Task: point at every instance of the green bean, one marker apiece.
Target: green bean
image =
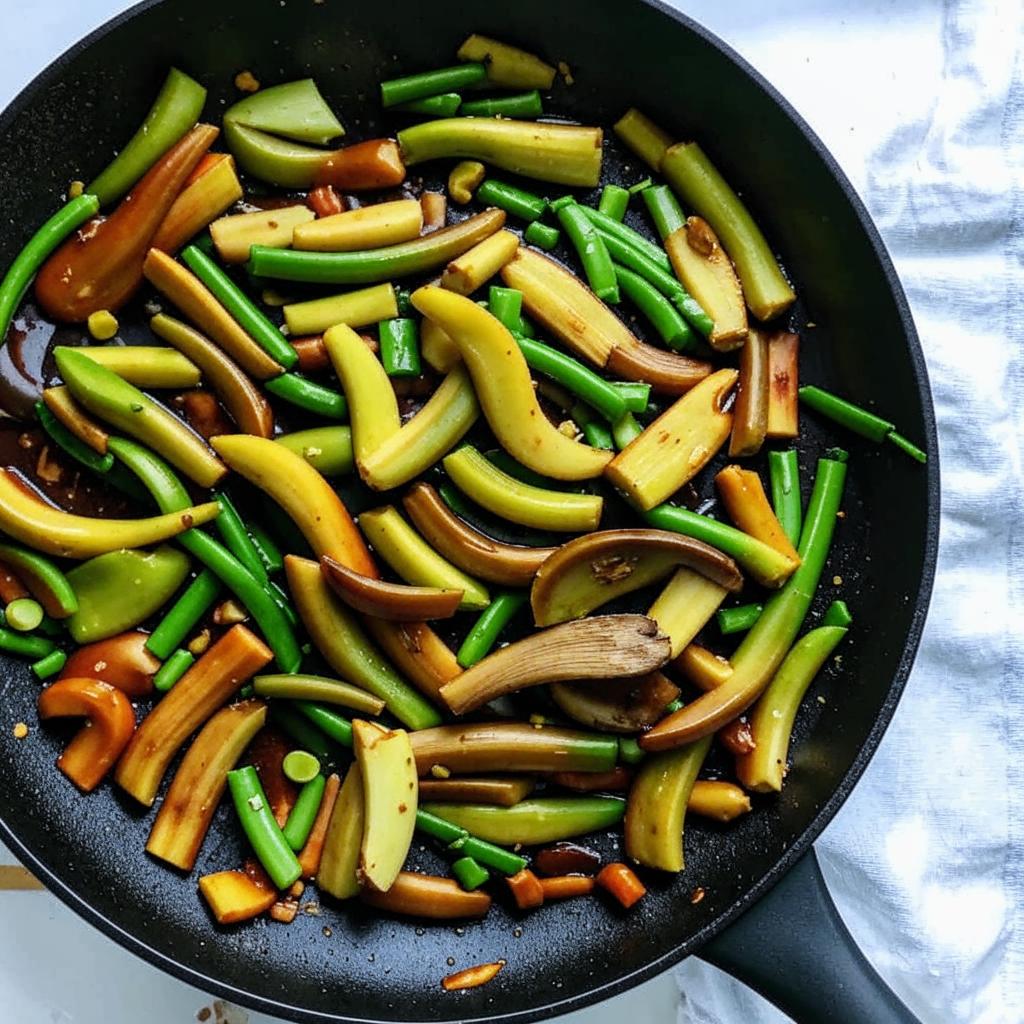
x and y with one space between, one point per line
846 414
506 305
784 473
176 624
430 83
625 430
400 347
664 209
26 646
590 247
518 201
629 750
445 104
330 723
269 553
637 396
327 449
838 614
77 449
264 834
640 186
739 619
469 873
597 435
496 857
487 628
542 235
909 447
240 306
579 379
170 496
232 531
20 273
625 235
307 735
674 706
24 614
49 665
173 669
303 813
308 395
664 317
525 105
614 202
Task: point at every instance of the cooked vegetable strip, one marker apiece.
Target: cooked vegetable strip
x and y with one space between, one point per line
561 153
65 410
374 164
415 561
502 382
783 385
667 372
122 661
345 647
685 606
694 178
474 268
295 110
200 306
664 317
188 808
235 235
657 806
600 567
70 443
534 821
487 628
263 832
415 257
302 815
416 895
368 227
702 668
503 790
312 852
394 601
49 665
327 449
677 445
308 395
183 615
743 495
340 859
400 347
507 66
176 109
430 83
838 614
470 876
764 768
784 470
213 679
473 552
543 235
739 619
445 104
665 211
626 236
604 647
514 200
465 177
765 646
44 580
643 137
614 202
145 366
172 670
590 247
616 705
719 800
317 688
211 189
523 105
750 411
521 503
233 533
235 896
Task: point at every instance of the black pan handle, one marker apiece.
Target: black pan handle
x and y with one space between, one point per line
793 948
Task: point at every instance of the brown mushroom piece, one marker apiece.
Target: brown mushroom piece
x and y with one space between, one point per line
395 601
617 705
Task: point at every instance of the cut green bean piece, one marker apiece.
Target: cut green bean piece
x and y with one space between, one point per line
784 473
182 616
738 619
907 446
506 305
430 83
614 201
303 813
308 395
629 750
626 430
526 105
327 449
307 735
664 209
77 449
663 315
447 832
49 665
542 235
263 832
597 435
173 669
25 645
232 531
487 628
400 347
846 414
838 614
637 396
469 873
330 723
513 200
445 104
24 614
590 247
269 552
627 236
640 186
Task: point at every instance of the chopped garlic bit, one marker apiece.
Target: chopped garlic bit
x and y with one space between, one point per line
246 81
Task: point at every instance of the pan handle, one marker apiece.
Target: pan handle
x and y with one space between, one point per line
793 948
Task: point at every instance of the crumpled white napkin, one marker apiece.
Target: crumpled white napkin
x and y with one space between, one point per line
922 102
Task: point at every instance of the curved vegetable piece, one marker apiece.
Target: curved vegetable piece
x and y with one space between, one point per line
507 66
317 688
520 503
145 366
685 606
64 408
750 411
373 164
471 270
697 182
418 653
295 110
44 580
124 406
208 684
783 385
235 896
208 193
389 797
473 552
357 309
719 800
625 706
765 646
122 661
657 806
176 109
243 400
345 647
340 859
27 518
199 305
442 899
415 257
95 748
291 165
604 647
200 781
744 498
617 779
394 601
702 668
562 153
668 373
234 235
502 382
479 974
534 821
102 268
677 445
484 633
261 828
327 449
302 492
415 561
763 769
599 567
504 790
120 589
367 227
643 137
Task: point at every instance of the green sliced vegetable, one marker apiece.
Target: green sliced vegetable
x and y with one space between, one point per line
317 688
524 104
739 619
593 254
614 202
25 645
514 200
290 165
664 209
430 83
542 235
23 614
295 110
257 820
485 631
784 472
78 450
470 873
182 616
456 837
838 614
327 449
625 235
308 395
506 305
49 665
445 104
303 813
307 735
172 670
400 347
625 430
663 315
233 532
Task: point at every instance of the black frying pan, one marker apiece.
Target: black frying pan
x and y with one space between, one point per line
357 966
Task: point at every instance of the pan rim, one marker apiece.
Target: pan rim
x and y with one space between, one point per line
134 944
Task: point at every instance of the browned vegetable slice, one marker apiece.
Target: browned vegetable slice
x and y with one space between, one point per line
722 801
744 498
59 401
598 567
510 565
667 372
417 652
395 601
122 660
567 859
471 977
702 667
442 899
501 790
617 705
750 413
783 385
607 646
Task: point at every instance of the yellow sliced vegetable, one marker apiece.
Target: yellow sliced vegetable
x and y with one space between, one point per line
340 860
507 66
437 348
683 608
146 366
234 236
368 227
357 309
474 268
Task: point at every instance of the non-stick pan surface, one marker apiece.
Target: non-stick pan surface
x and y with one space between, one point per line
354 965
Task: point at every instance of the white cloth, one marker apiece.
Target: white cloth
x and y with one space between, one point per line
922 102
